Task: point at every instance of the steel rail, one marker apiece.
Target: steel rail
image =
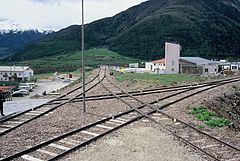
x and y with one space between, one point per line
161 107
56 99
158 89
44 113
85 127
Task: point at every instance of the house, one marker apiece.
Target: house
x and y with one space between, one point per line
17 73
157 66
187 65
174 64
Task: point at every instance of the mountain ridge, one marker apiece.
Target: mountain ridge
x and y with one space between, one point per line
204 28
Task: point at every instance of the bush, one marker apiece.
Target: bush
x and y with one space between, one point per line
211 119
217 122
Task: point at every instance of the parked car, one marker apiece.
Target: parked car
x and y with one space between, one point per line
17 94
24 91
32 84
66 80
26 87
61 77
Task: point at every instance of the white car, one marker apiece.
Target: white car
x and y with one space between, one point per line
24 91
66 80
61 77
26 87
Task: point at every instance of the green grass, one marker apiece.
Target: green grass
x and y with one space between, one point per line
72 61
209 117
163 79
199 126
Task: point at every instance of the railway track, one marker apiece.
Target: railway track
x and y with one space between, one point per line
59 146
211 146
15 121
140 93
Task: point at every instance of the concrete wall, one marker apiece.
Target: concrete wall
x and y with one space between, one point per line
149 66
172 54
210 69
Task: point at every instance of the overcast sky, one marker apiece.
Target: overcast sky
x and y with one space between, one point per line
57 14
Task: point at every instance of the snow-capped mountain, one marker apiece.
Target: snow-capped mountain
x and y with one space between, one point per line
7 26
14 36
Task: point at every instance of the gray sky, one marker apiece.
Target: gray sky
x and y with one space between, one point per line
57 14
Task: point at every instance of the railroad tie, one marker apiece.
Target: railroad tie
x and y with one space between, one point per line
145 120
163 118
73 141
89 133
15 122
31 114
113 123
122 119
67 142
198 141
105 127
156 117
35 111
210 146
118 121
30 158
2 130
59 146
157 114
47 152
7 126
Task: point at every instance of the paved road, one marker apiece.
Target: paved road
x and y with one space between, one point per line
23 103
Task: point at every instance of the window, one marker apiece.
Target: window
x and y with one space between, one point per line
19 74
234 67
172 63
10 73
206 70
30 73
163 64
215 70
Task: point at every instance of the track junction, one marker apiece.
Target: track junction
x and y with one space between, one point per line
137 107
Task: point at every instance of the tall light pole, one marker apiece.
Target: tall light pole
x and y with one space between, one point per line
83 69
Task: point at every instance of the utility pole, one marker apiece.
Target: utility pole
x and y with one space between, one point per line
83 68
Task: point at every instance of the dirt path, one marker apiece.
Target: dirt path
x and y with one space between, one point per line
138 142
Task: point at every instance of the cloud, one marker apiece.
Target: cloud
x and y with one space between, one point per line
57 14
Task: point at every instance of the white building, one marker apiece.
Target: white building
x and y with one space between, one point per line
172 54
174 64
157 66
19 73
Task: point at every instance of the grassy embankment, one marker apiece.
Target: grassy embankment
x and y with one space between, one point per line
164 79
72 61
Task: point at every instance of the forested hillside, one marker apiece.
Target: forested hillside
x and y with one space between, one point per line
204 28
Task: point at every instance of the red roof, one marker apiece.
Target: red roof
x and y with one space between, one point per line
162 61
6 88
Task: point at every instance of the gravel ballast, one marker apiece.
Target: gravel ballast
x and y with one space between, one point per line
136 142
